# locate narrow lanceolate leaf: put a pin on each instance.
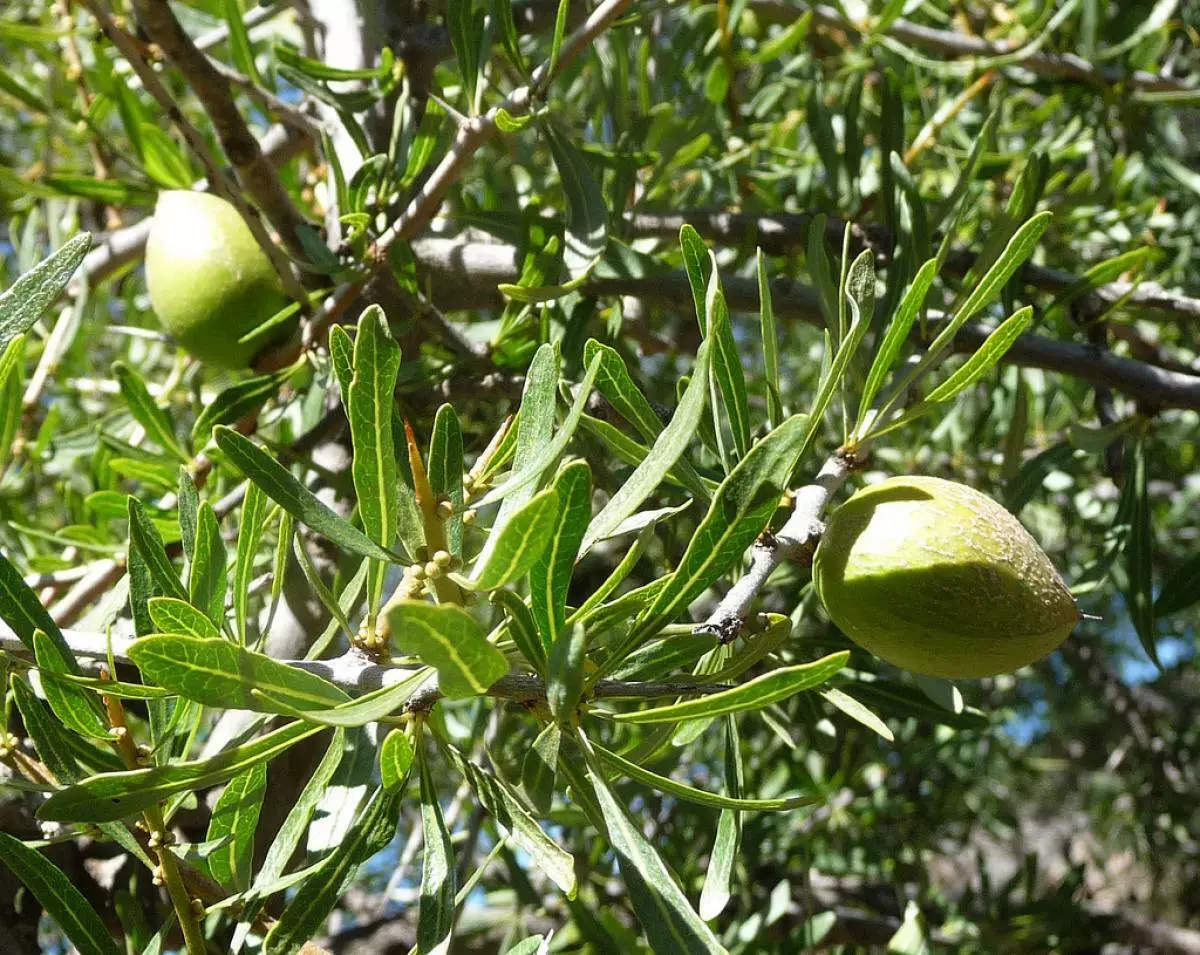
(665, 784)
(78, 709)
(1181, 589)
(368, 708)
(1139, 552)
(619, 390)
(539, 769)
(770, 344)
(189, 511)
(727, 367)
(279, 485)
(695, 258)
(502, 802)
(534, 430)
(435, 917)
(718, 879)
(21, 610)
(219, 673)
(28, 297)
(445, 469)
(858, 712)
(376, 365)
(239, 400)
(250, 533)
(587, 212)
(754, 694)
(564, 686)
(989, 353)
(175, 616)
(395, 760)
(206, 575)
(12, 388)
(447, 637)
(740, 509)
(145, 539)
(550, 575)
(519, 543)
(155, 420)
(341, 358)
(318, 894)
(671, 925)
(522, 629)
(896, 335)
(235, 818)
(527, 475)
(668, 446)
(60, 899)
(112, 796)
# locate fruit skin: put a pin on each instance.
(938, 578)
(210, 283)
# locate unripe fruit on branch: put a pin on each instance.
(938, 578)
(210, 283)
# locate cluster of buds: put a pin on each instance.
(9, 744)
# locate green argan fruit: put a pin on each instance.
(210, 283)
(939, 579)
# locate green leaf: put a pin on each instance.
(319, 893)
(294, 497)
(695, 257)
(1181, 589)
(235, 819)
(466, 36)
(21, 610)
(1139, 553)
(550, 575)
(770, 343)
(527, 474)
(895, 337)
(743, 504)
(447, 637)
(250, 534)
(906, 702)
(858, 712)
(670, 924)
(435, 915)
(539, 769)
(155, 420)
(989, 353)
(587, 212)
(370, 403)
(206, 575)
(522, 629)
(619, 390)
(54, 744)
(239, 400)
(60, 899)
(12, 388)
(112, 796)
(28, 297)
(75, 707)
(564, 687)
(165, 162)
(219, 673)
(718, 878)
(701, 797)
(239, 41)
(754, 694)
(519, 544)
(670, 444)
(395, 760)
(148, 544)
(368, 708)
(727, 368)
(189, 511)
(445, 467)
(505, 807)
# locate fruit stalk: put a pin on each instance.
(797, 539)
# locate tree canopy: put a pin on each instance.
(474, 612)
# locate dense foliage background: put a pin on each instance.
(497, 177)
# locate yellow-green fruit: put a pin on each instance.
(939, 579)
(210, 283)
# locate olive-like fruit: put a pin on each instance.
(937, 578)
(210, 283)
